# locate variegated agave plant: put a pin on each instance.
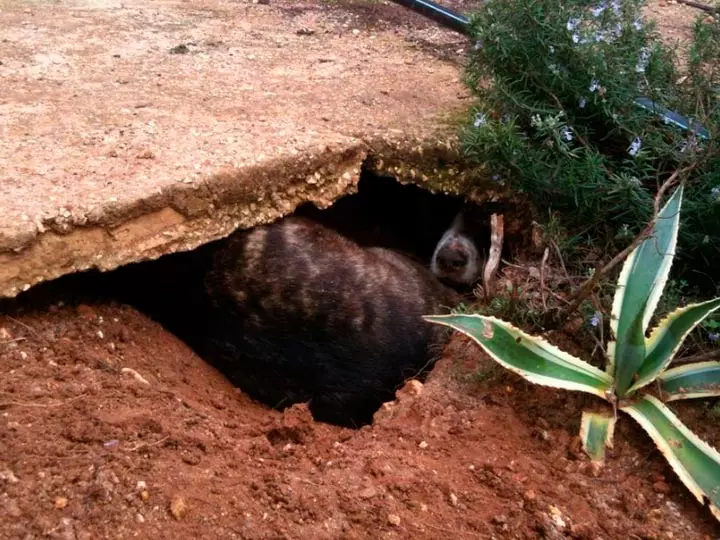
(635, 361)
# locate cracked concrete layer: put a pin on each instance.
(117, 146)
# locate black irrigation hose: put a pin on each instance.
(461, 24)
(704, 7)
(441, 15)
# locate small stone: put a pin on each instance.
(356, 32)
(146, 154)
(453, 499)
(178, 507)
(8, 476)
(191, 458)
(592, 468)
(139, 518)
(500, 519)
(423, 445)
(145, 495)
(367, 493)
(394, 520)
(11, 508)
(61, 502)
(529, 495)
(661, 487)
(557, 516)
(180, 49)
(86, 312)
(412, 388)
(5, 334)
(141, 485)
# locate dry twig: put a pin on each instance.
(542, 277)
(583, 292)
(700, 357)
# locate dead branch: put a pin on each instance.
(562, 262)
(542, 277)
(697, 5)
(701, 357)
(496, 243)
(140, 445)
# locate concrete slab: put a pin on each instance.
(134, 128)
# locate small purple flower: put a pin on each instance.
(582, 102)
(638, 24)
(713, 336)
(635, 146)
(715, 193)
(689, 144)
(496, 177)
(595, 321)
(478, 45)
(594, 85)
(615, 5)
(551, 49)
(643, 60)
(480, 120)
(572, 24)
(576, 37)
(567, 134)
(597, 11)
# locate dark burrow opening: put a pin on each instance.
(383, 213)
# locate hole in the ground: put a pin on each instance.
(342, 332)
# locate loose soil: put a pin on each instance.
(113, 428)
(110, 427)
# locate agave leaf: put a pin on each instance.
(666, 338)
(629, 355)
(693, 460)
(698, 380)
(596, 432)
(529, 356)
(638, 291)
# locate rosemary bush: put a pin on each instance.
(556, 116)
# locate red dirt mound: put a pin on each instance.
(113, 428)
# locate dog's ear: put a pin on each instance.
(458, 223)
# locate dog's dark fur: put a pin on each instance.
(301, 313)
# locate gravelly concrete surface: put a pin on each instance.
(132, 128)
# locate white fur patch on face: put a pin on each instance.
(464, 267)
